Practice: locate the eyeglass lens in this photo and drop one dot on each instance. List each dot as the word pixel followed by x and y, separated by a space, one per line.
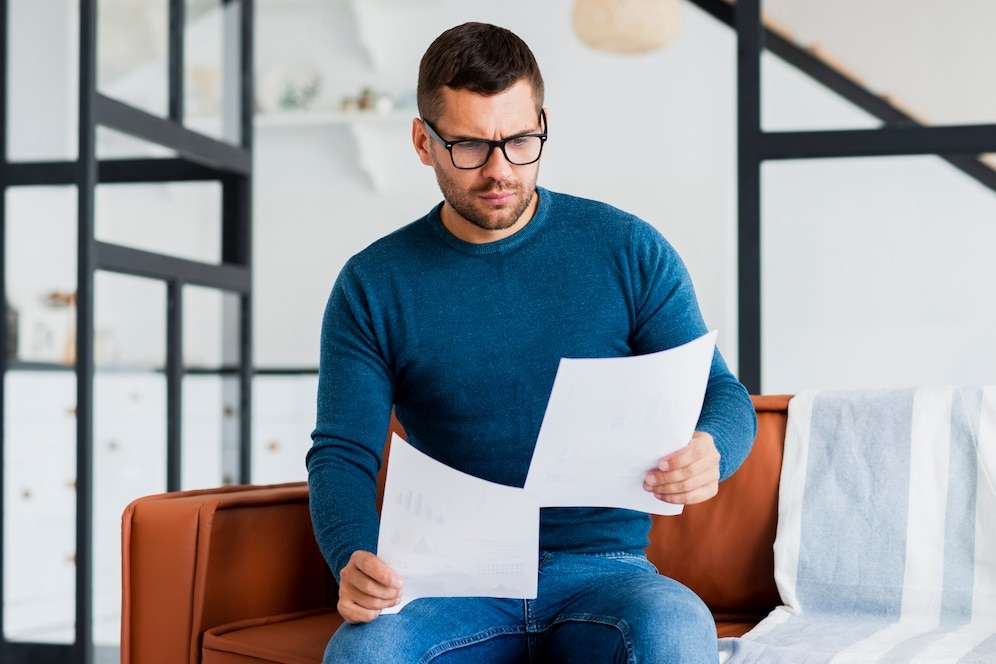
pixel 519 151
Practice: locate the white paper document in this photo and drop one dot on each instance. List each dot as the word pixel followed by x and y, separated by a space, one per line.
pixel 609 421
pixel 449 534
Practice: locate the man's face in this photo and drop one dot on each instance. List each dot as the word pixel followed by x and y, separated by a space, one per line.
pixel 497 199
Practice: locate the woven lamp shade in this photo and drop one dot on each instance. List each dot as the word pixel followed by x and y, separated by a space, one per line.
pixel 627 26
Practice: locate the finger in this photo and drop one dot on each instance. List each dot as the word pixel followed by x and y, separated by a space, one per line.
pixel 695 488
pixel 683 457
pixel 356 581
pixel 376 569
pixel 365 587
pixel 686 478
pixel 700 446
pixel 353 613
pixel 368 602
pixel 690 482
pixel 699 495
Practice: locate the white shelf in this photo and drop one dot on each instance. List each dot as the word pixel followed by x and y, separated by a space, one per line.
pixel 332 118
pixel 321 4
pixel 382 140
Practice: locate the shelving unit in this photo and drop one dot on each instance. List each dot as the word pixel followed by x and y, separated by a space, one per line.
pixel 127 426
pixel 341 52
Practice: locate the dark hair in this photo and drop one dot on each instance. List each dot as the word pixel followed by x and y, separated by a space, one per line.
pixel 479 57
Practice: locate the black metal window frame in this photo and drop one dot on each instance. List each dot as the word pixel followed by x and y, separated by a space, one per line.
pixel 199 158
pixel 900 135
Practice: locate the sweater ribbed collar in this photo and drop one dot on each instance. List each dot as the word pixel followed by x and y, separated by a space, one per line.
pixel 503 245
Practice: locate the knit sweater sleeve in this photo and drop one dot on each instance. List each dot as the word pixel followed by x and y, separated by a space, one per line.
pixel 668 315
pixel 353 415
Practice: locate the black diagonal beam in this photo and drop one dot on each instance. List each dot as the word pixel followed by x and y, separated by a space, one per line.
pixel 110 171
pixel 139 263
pixel 189 144
pixel 966 161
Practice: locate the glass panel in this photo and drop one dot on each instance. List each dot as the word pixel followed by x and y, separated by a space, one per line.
pixel 113 144
pixel 210 435
pixel 129 322
pixel 129 460
pixel 39 516
pixel 283 418
pixel 210 328
pixel 931 62
pixel 210 431
pixel 129 443
pixel 876 273
pixel 212 49
pixel 793 101
pixel 42 69
pixel 132 53
pixel 41 273
pixel 176 218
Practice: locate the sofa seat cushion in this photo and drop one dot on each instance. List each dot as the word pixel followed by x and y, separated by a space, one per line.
pixel 300 638
pixel 294 638
pixel 731 624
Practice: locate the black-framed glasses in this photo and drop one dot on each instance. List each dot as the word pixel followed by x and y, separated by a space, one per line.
pixel 470 154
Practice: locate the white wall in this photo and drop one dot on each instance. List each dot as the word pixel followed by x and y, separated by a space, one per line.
pixel 874 269
pixel 653 134
pixel 934 57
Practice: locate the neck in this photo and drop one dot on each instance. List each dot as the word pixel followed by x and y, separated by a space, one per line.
pixel 470 232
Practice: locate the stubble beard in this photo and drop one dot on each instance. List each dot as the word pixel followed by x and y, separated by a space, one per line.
pixel 469 206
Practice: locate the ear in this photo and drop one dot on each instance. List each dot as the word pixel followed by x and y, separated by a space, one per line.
pixel 421 141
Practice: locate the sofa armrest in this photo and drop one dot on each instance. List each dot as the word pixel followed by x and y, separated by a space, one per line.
pixel 197 559
pixel 722 548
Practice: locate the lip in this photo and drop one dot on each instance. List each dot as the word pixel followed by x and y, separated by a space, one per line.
pixel 497 198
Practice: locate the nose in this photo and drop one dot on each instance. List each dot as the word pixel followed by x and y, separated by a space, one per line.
pixel 496 167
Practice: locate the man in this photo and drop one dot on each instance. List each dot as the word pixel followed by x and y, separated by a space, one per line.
pixel 458 321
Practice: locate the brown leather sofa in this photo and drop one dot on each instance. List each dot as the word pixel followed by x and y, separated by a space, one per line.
pixel 233 575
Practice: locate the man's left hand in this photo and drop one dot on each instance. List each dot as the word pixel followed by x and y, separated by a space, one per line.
pixel 690 475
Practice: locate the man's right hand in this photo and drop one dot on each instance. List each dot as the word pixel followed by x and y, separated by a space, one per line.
pixel 367 585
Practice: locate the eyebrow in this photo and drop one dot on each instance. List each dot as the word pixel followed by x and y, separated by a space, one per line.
pixel 528 132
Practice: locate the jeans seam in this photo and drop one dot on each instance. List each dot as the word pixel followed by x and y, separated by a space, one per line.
pixel 626 556
pixel 608 621
pixel 464 641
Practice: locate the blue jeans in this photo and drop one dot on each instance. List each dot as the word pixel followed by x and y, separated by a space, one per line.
pixel 590 608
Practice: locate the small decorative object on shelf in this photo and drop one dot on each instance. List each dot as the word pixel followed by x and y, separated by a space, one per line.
pixel 368 100
pixel 289 87
pixel 300 94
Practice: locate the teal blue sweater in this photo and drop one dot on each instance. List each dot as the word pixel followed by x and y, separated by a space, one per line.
pixel 464 340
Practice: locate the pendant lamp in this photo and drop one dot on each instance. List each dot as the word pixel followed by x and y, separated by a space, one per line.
pixel 627 26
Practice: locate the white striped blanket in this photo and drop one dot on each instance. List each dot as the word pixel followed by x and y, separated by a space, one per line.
pixel 886 542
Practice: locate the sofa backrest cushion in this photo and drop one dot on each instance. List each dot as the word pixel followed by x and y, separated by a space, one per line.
pixel 722 548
